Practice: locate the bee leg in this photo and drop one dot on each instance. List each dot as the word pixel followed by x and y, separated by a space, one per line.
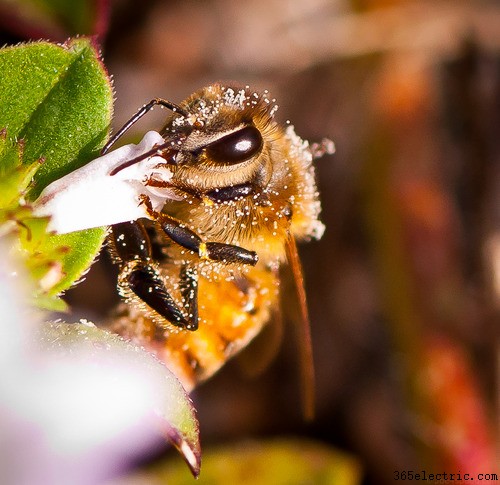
pixel 213 251
pixel 224 194
pixel 140 275
pixel 233 192
pixel 218 196
pixel 189 291
pixel 147 284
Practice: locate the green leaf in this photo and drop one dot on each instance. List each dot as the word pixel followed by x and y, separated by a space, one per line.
pixel 57 99
pixel 14 176
pixel 274 462
pixel 92 346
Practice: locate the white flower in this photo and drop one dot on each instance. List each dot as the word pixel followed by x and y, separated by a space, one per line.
pixel 91 197
pixel 78 404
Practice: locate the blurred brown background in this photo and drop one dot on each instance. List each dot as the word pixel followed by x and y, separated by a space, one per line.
pixel 404 287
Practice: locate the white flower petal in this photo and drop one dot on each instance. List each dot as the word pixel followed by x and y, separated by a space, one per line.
pixel 78 404
pixel 91 197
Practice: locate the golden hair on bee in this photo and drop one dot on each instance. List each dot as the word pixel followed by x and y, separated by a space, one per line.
pixel 202 278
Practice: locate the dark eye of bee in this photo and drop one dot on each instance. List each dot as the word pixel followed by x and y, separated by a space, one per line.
pixel 236 147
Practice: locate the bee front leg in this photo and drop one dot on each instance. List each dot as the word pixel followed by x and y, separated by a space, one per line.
pixel 139 274
pixel 232 192
pixel 188 239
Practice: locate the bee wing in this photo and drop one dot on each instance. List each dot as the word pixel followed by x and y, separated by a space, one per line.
pixel 264 348
pixel 303 331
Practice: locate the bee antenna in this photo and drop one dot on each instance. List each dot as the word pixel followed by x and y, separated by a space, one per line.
pixel 172 106
pixel 134 119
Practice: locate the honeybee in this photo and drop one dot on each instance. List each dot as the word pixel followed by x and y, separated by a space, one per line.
pixel 201 278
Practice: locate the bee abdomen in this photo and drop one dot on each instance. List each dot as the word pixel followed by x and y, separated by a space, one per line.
pixel 232 313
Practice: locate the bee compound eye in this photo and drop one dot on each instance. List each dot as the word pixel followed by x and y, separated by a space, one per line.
pixel 236 147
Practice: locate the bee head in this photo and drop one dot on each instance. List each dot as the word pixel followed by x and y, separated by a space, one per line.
pixel 226 131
